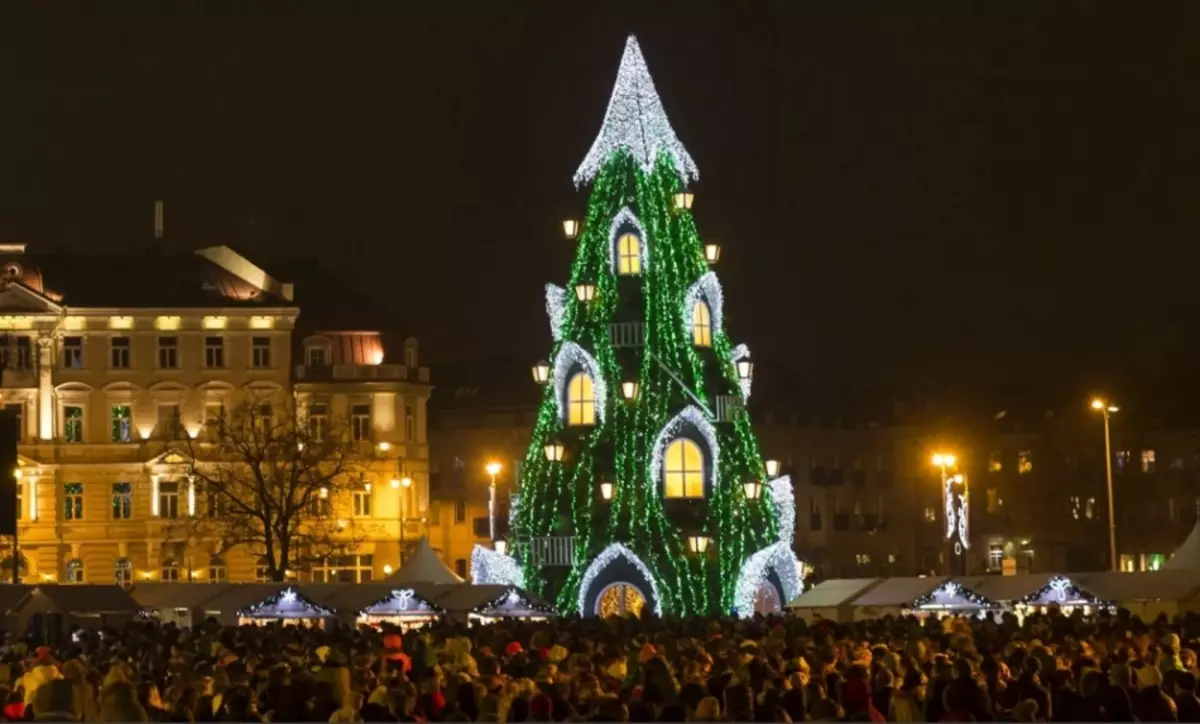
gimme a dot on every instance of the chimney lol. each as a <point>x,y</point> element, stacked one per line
<point>158,220</point>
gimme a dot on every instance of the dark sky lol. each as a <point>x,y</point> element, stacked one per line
<point>961,193</point>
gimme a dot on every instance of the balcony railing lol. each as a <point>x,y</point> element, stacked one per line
<point>627,334</point>
<point>727,407</point>
<point>328,373</point>
<point>555,550</point>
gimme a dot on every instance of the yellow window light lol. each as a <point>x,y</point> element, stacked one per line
<point>168,323</point>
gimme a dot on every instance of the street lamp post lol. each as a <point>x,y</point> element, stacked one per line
<point>492,469</point>
<point>1106,408</point>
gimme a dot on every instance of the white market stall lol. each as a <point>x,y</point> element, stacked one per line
<point>180,603</point>
<point>405,607</point>
<point>1030,592</point>
<point>933,595</point>
<point>1148,593</point>
<point>87,605</point>
<point>1187,555</point>
<point>424,566</point>
<point>288,607</point>
<point>830,600</point>
<point>490,602</point>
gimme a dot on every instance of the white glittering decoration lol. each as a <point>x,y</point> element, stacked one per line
<point>783,498</point>
<point>488,566</point>
<point>776,557</point>
<point>556,309</point>
<point>709,289</point>
<point>635,121</point>
<point>739,353</point>
<point>572,358</point>
<point>607,556</point>
<point>693,417</point>
<point>625,219</point>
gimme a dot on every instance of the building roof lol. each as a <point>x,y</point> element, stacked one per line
<point>87,598</point>
<point>834,592</point>
<point>159,595</point>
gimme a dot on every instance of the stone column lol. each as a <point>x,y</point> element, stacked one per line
<point>45,400</point>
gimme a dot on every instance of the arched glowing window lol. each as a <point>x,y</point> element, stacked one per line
<point>629,254</point>
<point>581,400</point>
<point>75,571</point>
<point>683,470</point>
<point>701,324</point>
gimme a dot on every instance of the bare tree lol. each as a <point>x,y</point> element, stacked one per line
<point>270,479</point>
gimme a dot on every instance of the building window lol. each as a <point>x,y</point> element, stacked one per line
<point>318,422</point>
<point>122,423</point>
<point>214,503</point>
<point>264,422</point>
<point>930,515</point>
<point>995,557</point>
<point>993,501</point>
<point>701,324</point>
<point>1122,460</point>
<point>214,418</point>
<point>73,501</point>
<point>629,254</point>
<point>1089,510</point>
<point>362,503</point>
<point>21,500</point>
<point>317,356</point>
<point>581,400</point>
<point>1177,464</point>
<point>410,424</point>
<point>123,573</point>
<point>1128,563</point>
<point>24,353</point>
<point>344,569</point>
<point>460,567</point>
<point>1147,461</point>
<point>168,499</point>
<point>170,571</point>
<point>814,515</point>
<point>214,352</point>
<point>119,353</point>
<point>75,571</point>
<point>217,573</point>
<point>170,424</point>
<point>862,559</point>
<point>683,470</point>
<point>360,423</point>
<point>260,352</point>
<point>168,353</point>
<point>262,572</point>
<point>73,353</point>
<point>995,462</point>
<point>1073,506</point>
<point>122,501</point>
<point>1025,462</point>
<point>73,423</point>
<point>460,511</point>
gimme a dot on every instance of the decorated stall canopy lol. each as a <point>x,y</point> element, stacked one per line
<point>287,606</point>
<point>404,607</point>
<point>921,595</point>
<point>483,604</point>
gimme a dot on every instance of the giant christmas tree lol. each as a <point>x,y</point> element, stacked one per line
<point>643,486</point>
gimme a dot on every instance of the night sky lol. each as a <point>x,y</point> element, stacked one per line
<point>957,197</point>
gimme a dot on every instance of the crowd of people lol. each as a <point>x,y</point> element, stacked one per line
<point>1051,667</point>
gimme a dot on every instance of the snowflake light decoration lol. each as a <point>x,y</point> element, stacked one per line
<point>570,358</point>
<point>776,557</point>
<point>556,309</point>
<point>690,415</point>
<point>636,122</point>
<point>607,556</point>
<point>784,500</point>
<point>289,598</point>
<point>739,353</point>
<point>488,566</point>
<point>949,593</point>
<point>708,288</point>
<point>625,217</point>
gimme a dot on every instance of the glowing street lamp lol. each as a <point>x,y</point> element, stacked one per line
<point>698,543</point>
<point>772,468</point>
<point>684,200</point>
<point>629,390</point>
<point>745,369</point>
<point>585,291</point>
<point>554,451</point>
<point>753,489</point>
<point>541,372</point>
<point>492,469</point>
<point>606,490</point>
<point>1106,408</point>
<point>712,253</point>
<point>570,228</point>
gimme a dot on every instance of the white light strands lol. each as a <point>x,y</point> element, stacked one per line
<point>607,556</point>
<point>635,121</point>
<point>626,220</point>
<point>492,567</point>
<point>569,359</point>
<point>739,354</point>
<point>783,498</point>
<point>776,557</point>
<point>954,493</point>
<point>556,309</point>
<point>709,289</point>
<point>689,416</point>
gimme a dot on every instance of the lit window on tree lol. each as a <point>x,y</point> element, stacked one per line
<point>629,254</point>
<point>581,400</point>
<point>701,325</point>
<point>683,470</point>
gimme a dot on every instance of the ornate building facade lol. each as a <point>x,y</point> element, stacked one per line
<point>116,366</point>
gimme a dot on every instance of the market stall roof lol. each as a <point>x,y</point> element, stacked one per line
<point>288,602</point>
<point>159,595</point>
<point>1187,555</point>
<point>11,597</point>
<point>492,600</point>
<point>87,598</point>
<point>240,595</point>
<point>899,591</point>
<point>1173,585</point>
<point>324,593</point>
<point>834,592</point>
<point>424,566</point>
<point>1046,587</point>
<point>404,601</point>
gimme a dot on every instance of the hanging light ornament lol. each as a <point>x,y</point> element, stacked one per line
<point>570,228</point>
